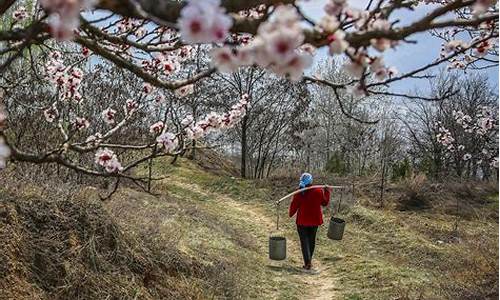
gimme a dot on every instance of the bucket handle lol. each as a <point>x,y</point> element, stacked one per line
<point>332,206</point>
<point>277,216</point>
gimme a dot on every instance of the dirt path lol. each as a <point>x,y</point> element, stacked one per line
<point>319,286</point>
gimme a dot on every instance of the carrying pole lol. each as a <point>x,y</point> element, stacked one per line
<point>308,188</point>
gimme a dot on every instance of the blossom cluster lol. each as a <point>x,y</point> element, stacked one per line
<point>108,159</point>
<point>204,21</point>
<point>277,47</point>
<point>20,14</point>
<point>214,121</point>
<point>164,63</point>
<point>196,130</point>
<point>132,26</point>
<point>445,138</point>
<point>64,16</point>
<point>66,79</point>
<point>484,121</point>
<point>482,124</point>
<point>472,51</point>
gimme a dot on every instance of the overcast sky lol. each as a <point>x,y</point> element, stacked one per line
<point>406,57</point>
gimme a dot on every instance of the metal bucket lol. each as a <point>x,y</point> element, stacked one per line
<point>336,229</point>
<point>277,247</point>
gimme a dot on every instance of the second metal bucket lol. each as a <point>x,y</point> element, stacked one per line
<point>277,247</point>
<point>336,229</point>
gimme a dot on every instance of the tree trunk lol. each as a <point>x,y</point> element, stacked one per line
<point>243,161</point>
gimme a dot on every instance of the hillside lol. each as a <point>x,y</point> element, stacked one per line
<point>204,236</point>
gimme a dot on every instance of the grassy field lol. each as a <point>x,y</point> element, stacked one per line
<point>385,254</point>
<point>205,236</point>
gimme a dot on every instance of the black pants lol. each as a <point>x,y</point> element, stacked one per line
<point>307,236</point>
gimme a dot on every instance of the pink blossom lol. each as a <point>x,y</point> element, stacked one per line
<point>355,69</point>
<point>157,127</point>
<point>444,137</point>
<point>392,71</point>
<point>20,14</point>
<point>85,51</point>
<point>64,16</point>
<point>4,153</point>
<point>160,99</point>
<point>329,24</point>
<point>184,90</point>
<point>381,44</point>
<point>455,45</point>
<point>204,21</point>
<point>81,123</point>
<point>62,28</point>
<point>295,66</point>
<point>380,25</point>
<point>357,91</point>
<point>481,6</point>
<point>168,140</point>
<point>147,88</point>
<point>282,35</point>
<point>67,79</point>
<point>486,123</point>
<point>337,43</point>
<point>113,166</point>
<point>130,106</point>
<point>224,59</point>
<point>108,159</point>
<point>335,7</point>
<point>194,133</point>
<point>94,138</point>
<point>308,48</point>
<point>482,49</point>
<point>245,56</point>
<point>281,44</point>
<point>108,115</point>
<point>51,114</point>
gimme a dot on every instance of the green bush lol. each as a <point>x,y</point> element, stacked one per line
<point>336,164</point>
<point>401,169</point>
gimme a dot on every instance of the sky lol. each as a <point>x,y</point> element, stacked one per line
<point>407,56</point>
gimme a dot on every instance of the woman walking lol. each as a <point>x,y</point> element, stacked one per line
<point>307,204</point>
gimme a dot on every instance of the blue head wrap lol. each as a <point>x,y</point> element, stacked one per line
<point>305,180</point>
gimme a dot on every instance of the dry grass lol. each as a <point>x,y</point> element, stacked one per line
<point>63,244</point>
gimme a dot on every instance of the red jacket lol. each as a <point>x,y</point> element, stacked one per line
<point>308,206</point>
